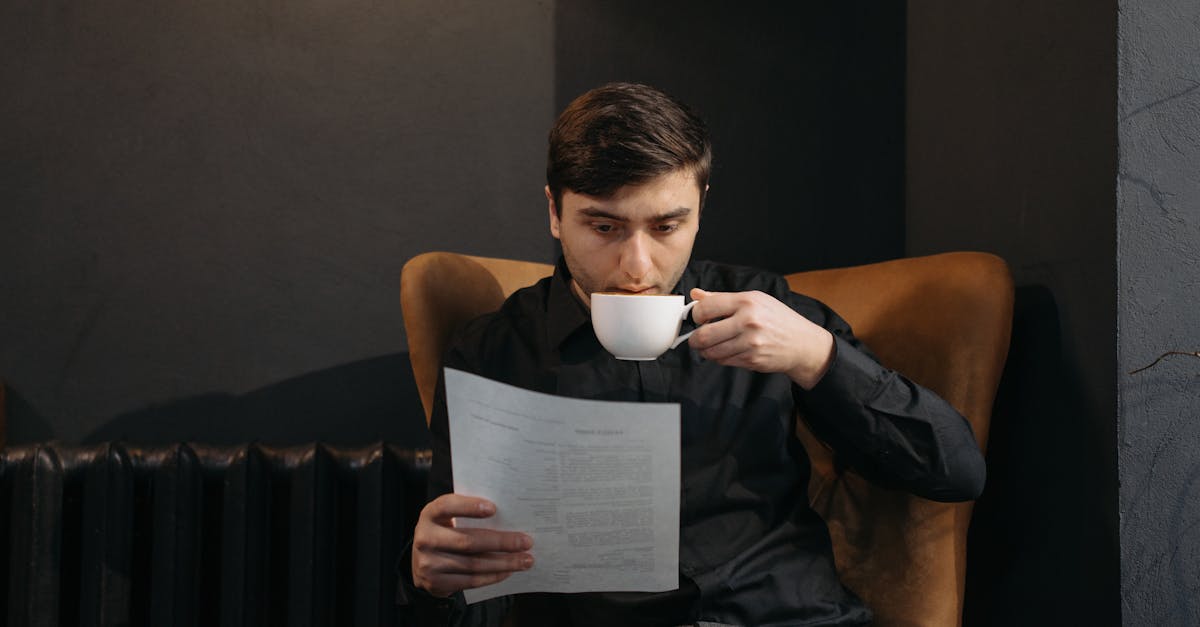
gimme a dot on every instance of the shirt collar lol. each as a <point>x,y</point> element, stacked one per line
<point>687,281</point>
<point>566,314</point>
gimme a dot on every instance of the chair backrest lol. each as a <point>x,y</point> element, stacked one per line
<point>440,292</point>
<point>943,320</point>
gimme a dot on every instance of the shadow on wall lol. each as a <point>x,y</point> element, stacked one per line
<point>24,423</point>
<point>1040,532</point>
<point>352,404</point>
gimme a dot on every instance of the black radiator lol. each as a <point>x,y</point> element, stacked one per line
<point>251,535</point>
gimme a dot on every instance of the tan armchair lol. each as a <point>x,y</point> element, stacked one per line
<point>943,320</point>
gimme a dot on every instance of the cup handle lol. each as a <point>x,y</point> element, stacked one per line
<point>683,316</point>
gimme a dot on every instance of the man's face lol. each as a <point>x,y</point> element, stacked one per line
<point>637,241</point>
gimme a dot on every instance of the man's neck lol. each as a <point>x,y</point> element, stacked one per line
<point>585,299</point>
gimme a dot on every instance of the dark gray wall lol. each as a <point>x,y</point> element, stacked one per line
<point>805,108</point>
<point>1158,221</point>
<point>1011,149</point>
<point>205,207</point>
<point>216,198</point>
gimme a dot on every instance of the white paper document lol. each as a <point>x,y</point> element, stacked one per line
<point>594,483</point>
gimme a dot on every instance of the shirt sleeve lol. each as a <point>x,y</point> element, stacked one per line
<point>416,604</point>
<point>892,431</point>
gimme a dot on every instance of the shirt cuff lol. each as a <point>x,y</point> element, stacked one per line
<point>852,380</point>
<point>424,608</point>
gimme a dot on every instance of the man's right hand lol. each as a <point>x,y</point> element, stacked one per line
<point>446,559</point>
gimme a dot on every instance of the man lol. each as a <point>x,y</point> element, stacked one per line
<point>627,175</point>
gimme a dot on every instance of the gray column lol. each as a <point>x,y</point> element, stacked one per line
<point>1158,302</point>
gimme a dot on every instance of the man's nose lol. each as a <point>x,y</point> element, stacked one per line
<point>635,256</point>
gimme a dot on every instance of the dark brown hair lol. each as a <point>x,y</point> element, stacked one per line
<point>624,134</point>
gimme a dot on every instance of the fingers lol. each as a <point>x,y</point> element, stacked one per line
<point>747,330</point>
<point>440,566</point>
<point>446,559</point>
<point>446,585</point>
<point>478,564</point>
<point>725,317</point>
<point>722,333</point>
<point>723,351</point>
<point>714,333</point>
<point>448,506</point>
<point>469,541</point>
<point>714,305</point>
<point>739,350</point>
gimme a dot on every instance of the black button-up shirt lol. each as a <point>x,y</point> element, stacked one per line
<point>751,549</point>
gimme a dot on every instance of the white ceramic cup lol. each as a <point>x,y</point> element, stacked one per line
<point>639,328</point>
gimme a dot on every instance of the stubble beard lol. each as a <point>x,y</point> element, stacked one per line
<point>584,285</point>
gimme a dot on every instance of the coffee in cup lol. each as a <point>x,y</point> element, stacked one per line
<point>639,327</point>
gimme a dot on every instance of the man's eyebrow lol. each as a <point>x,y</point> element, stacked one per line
<point>595,212</point>
<point>671,215</point>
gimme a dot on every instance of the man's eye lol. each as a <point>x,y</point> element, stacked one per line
<point>603,228</point>
<point>667,228</point>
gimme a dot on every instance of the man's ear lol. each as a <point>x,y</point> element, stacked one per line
<point>554,223</point>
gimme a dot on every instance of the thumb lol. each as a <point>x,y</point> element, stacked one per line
<point>697,293</point>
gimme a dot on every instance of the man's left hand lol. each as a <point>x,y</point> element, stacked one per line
<point>756,331</point>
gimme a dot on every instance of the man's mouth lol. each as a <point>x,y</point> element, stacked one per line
<point>634,290</point>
